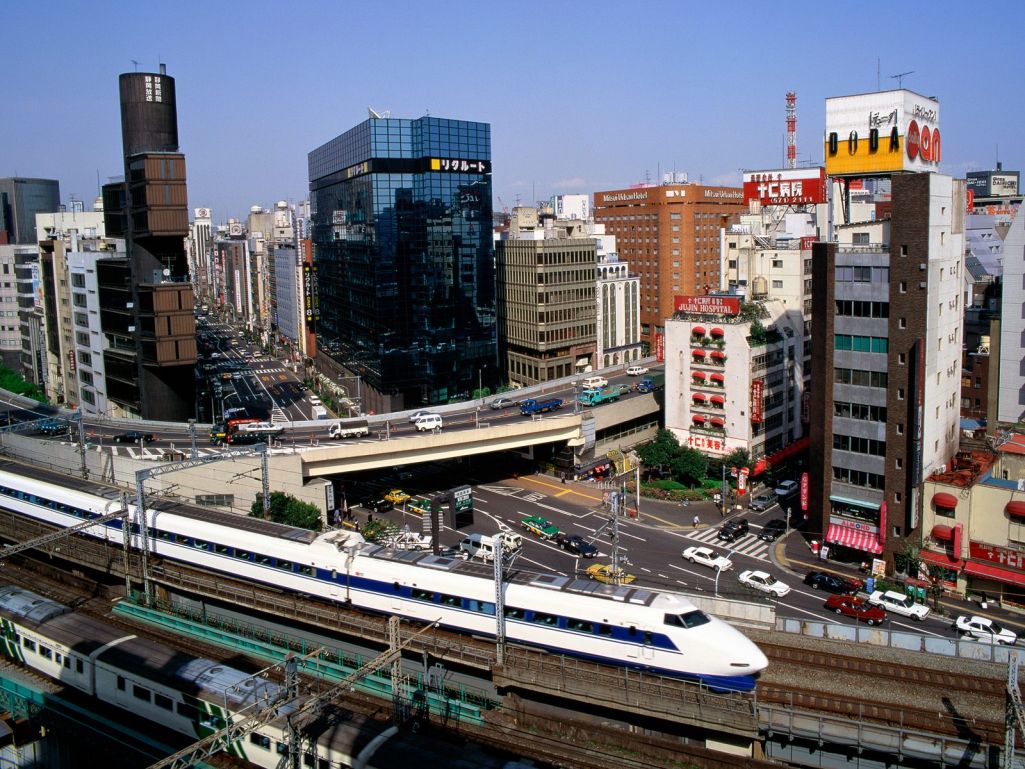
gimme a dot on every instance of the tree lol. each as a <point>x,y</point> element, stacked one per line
<point>661,451</point>
<point>289,510</point>
<point>689,466</point>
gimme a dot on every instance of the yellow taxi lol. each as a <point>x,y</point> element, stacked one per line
<point>603,573</point>
<point>397,496</point>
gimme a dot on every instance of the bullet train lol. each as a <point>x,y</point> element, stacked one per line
<point>625,626</point>
<point>194,696</point>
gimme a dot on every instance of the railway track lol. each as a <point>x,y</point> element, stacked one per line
<point>916,675</point>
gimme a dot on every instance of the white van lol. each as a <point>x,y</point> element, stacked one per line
<point>428,422</point>
<point>899,603</point>
<point>594,382</point>
<point>483,546</point>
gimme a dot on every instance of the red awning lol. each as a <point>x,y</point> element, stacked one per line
<point>698,419</point>
<point>698,374</point>
<point>718,421</point>
<point>994,572</point>
<point>700,397</point>
<point>759,467</point>
<point>698,331</point>
<point>717,332</point>
<point>718,354</point>
<point>945,500</point>
<point>940,559</point>
<point>699,353</point>
<point>718,378</point>
<point>942,533</point>
<point>788,451</point>
<point>718,398</point>
<point>855,538</point>
<point>1015,509</point>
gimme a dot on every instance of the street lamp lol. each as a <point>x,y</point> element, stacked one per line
<point>576,397</point>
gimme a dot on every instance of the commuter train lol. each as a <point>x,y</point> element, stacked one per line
<point>627,626</point>
<point>191,695</point>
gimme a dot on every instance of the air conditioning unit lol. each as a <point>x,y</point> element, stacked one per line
<point>941,469</point>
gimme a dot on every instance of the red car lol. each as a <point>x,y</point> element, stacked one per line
<point>858,608</point>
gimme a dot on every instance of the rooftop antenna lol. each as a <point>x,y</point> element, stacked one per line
<point>899,77</point>
<point>136,64</point>
<point>375,115</point>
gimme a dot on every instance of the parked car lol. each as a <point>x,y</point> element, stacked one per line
<point>540,527</point>
<point>761,580</point>
<point>985,630</point>
<point>574,543</point>
<point>773,530</point>
<point>831,583</point>
<point>637,370</point>
<point>785,489</point>
<point>396,496</point>
<point>733,530</point>
<point>706,556</point>
<point>899,603</point>
<point>762,502</point>
<point>858,608</point>
<point>134,436</point>
<point>504,403</point>
<point>377,504</point>
<point>604,573</point>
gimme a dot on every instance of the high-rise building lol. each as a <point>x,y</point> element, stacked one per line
<point>670,236</point>
<point>20,200</point>
<point>402,237</point>
<point>887,309</point>
<point>198,245</point>
<point>146,298</point>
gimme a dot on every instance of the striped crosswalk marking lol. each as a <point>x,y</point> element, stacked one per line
<point>748,545</point>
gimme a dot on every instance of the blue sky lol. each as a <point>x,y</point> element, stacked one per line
<point>580,96</point>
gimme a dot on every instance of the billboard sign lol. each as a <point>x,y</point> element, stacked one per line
<point>882,133</point>
<point>786,187</point>
<point>708,305</point>
<point>804,491</point>
<point>757,391</point>
<point>660,348</point>
<point>1001,556</point>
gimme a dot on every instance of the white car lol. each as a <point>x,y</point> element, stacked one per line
<point>417,414</point>
<point>899,603</point>
<point>408,540</point>
<point>985,630</point>
<point>706,556</point>
<point>765,582</point>
<point>637,370</point>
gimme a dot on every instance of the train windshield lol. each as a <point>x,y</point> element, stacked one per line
<point>690,619</point>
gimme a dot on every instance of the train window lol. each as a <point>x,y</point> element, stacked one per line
<point>187,711</point>
<point>307,570</point>
<point>181,540</point>
<point>222,549</point>
<point>648,637</point>
<point>79,668</point>
<point>162,701</point>
<point>541,618</point>
<point>210,721</point>
<point>451,600</point>
<point>30,645</point>
<point>140,692</point>
<point>514,613</point>
<point>200,544</point>
<point>282,749</point>
<point>245,555</point>
<point>694,619</point>
<point>58,658</point>
<point>285,565</point>
<point>261,740</point>
<point>120,683</point>
<point>579,625</point>
<point>323,763</point>
<point>334,574</point>
<point>265,560</point>
<point>673,620</point>
<point>45,651</point>
<point>308,759</point>
<point>480,606</point>
<point>421,595</point>
<point>633,630</point>
<point>166,535</point>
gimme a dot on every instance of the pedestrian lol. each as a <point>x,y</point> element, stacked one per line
<point>370,518</point>
<point>338,517</point>
<point>563,476</point>
<point>697,520</point>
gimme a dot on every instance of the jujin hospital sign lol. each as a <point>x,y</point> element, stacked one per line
<point>708,305</point>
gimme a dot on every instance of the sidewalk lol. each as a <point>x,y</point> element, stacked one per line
<point>793,553</point>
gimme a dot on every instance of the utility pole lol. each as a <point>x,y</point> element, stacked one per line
<point>618,498</point>
<point>499,603</point>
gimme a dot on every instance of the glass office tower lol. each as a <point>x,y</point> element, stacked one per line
<point>402,234</point>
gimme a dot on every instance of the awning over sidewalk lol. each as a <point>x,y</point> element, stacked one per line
<point>940,559</point>
<point>854,538</point>
<point>994,572</point>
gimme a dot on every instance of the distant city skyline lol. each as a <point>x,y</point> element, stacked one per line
<point>580,98</point>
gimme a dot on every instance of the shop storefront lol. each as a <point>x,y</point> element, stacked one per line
<point>999,572</point>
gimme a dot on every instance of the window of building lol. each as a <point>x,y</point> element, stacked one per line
<point>903,287</point>
<point>77,279</point>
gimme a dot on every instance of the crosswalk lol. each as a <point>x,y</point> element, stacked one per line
<point>277,415</point>
<point>748,545</point>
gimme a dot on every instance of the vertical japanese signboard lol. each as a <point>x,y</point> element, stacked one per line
<point>757,391</point>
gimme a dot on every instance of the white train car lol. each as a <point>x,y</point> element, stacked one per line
<point>625,626</point>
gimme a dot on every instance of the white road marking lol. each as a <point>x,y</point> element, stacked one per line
<point>505,491</point>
